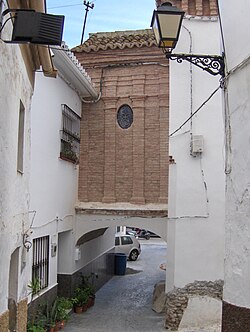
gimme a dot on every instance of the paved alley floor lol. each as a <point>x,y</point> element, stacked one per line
<point>124,303</point>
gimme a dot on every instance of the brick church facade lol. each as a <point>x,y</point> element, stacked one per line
<point>125,162</point>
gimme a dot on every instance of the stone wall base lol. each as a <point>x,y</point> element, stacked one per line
<point>4,321</point>
<point>234,318</point>
<point>22,315</point>
<point>198,303</point>
<point>20,319</point>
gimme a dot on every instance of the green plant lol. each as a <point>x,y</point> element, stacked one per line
<point>51,314</point>
<point>35,326</point>
<point>90,291</point>
<point>34,286</point>
<point>80,296</point>
<point>64,305</point>
<point>87,285</point>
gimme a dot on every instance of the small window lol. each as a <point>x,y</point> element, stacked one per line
<point>70,135</point>
<point>125,116</point>
<point>126,240</point>
<point>20,143</point>
<point>40,264</point>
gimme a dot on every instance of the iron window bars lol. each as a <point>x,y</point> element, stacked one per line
<point>40,264</point>
<point>70,135</point>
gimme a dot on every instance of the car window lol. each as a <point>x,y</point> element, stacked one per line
<point>126,240</point>
<point>117,241</point>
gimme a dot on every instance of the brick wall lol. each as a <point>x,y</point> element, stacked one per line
<point>125,165</point>
<point>194,7</point>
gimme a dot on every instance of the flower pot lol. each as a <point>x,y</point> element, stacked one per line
<point>91,301</point>
<point>85,307</point>
<point>78,310</point>
<point>57,327</point>
<point>62,324</point>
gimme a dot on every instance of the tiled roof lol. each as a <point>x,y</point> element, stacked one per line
<point>117,40</point>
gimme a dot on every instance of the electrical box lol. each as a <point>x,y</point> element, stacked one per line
<point>53,249</point>
<point>197,144</point>
<point>77,254</point>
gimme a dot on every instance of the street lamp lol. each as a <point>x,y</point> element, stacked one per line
<point>166,24</point>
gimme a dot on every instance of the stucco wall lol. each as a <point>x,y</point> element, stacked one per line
<point>53,184</point>
<point>237,105</point>
<point>14,192</point>
<point>196,199</point>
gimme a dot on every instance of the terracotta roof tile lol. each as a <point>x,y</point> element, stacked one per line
<point>117,40</point>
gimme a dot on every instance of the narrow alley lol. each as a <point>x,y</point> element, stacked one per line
<point>124,303</point>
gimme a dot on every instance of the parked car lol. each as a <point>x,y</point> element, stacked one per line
<point>143,233</point>
<point>131,232</point>
<point>128,245</point>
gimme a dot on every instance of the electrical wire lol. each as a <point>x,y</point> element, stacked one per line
<point>8,19</point>
<point>198,109</point>
<point>64,6</point>
<point>72,5</point>
<point>191,76</point>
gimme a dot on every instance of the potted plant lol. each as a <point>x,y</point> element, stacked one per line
<point>37,320</point>
<point>80,300</point>
<point>38,325</point>
<point>64,306</point>
<point>89,288</point>
<point>34,286</point>
<point>51,316</point>
<point>91,295</point>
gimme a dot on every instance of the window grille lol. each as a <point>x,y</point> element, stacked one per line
<point>40,265</point>
<point>70,135</point>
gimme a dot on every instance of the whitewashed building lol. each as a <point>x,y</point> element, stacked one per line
<point>195,234</point>
<point>17,76</point>
<point>55,134</point>
<point>236,294</point>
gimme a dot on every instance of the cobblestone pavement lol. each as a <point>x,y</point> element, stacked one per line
<point>124,303</point>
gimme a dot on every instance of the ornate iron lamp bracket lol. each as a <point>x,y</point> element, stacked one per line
<point>213,64</point>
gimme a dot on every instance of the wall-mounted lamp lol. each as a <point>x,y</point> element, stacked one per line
<point>26,242</point>
<point>34,27</point>
<point>166,24</point>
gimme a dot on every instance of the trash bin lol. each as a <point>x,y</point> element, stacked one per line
<point>120,264</point>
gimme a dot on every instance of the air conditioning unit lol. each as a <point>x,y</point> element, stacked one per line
<point>197,144</point>
<point>34,27</point>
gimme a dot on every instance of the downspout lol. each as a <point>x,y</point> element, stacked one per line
<point>44,51</point>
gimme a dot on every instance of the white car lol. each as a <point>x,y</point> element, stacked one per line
<point>129,245</point>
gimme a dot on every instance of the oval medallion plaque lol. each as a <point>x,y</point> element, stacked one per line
<point>125,116</point>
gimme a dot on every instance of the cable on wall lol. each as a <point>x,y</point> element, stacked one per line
<point>191,78</point>
<point>205,185</point>
<point>198,109</point>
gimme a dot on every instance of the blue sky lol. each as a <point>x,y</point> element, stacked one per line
<point>107,15</point>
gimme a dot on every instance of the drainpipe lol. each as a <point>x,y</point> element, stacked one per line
<point>44,51</point>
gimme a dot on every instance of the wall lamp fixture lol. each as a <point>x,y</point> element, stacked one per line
<point>166,24</point>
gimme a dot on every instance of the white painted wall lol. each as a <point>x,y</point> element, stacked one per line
<point>14,192</point>
<point>237,106</point>
<point>195,233</point>
<point>53,185</point>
